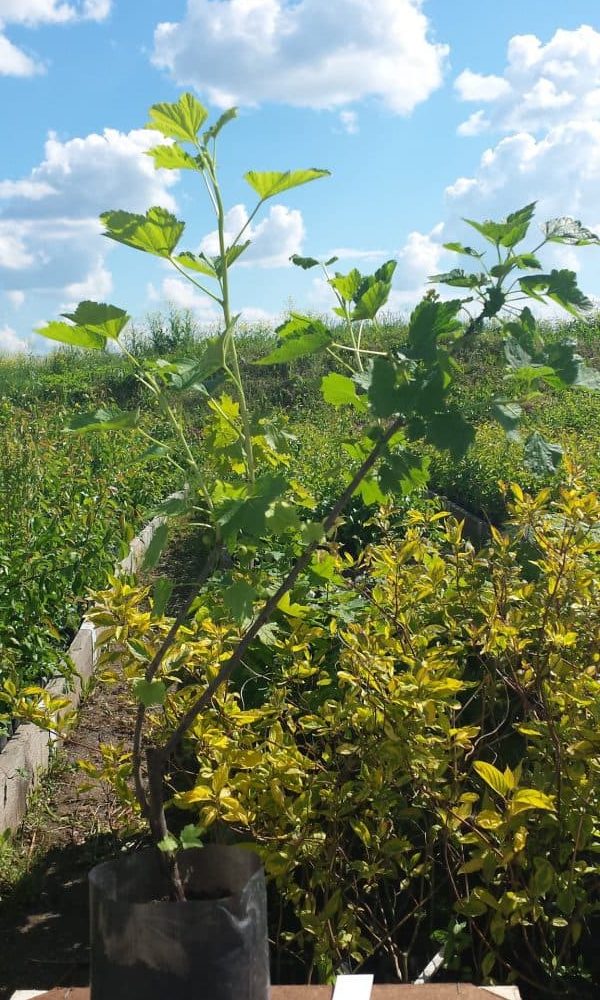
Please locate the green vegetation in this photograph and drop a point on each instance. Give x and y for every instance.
(336, 638)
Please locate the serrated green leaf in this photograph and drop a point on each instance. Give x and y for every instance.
(172, 158)
(268, 184)
(457, 278)
(306, 263)
(103, 420)
(560, 286)
(199, 263)
(169, 844)
(450, 431)
(508, 415)
(459, 248)
(404, 473)
(239, 600)
(569, 231)
(99, 318)
(224, 119)
(540, 455)
(180, 120)
(431, 322)
(75, 336)
(231, 255)
(301, 335)
(340, 390)
(246, 514)
(190, 837)
(384, 397)
(347, 284)
(150, 692)
(157, 232)
(371, 301)
(507, 233)
(155, 548)
(515, 355)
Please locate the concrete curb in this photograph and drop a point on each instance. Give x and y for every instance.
(25, 756)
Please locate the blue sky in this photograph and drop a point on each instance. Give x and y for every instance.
(425, 112)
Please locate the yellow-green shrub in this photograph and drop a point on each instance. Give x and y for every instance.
(436, 759)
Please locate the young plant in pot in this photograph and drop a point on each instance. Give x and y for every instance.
(181, 919)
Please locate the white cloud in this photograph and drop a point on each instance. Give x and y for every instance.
(349, 122)
(10, 343)
(31, 13)
(183, 295)
(474, 124)
(49, 228)
(274, 239)
(307, 53)
(352, 253)
(544, 85)
(16, 298)
(34, 12)
(477, 87)
(15, 62)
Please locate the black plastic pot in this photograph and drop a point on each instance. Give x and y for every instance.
(212, 947)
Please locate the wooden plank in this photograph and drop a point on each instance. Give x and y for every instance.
(436, 991)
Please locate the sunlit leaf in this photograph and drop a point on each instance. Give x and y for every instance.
(181, 120)
(75, 336)
(224, 119)
(270, 183)
(150, 692)
(99, 318)
(157, 232)
(172, 158)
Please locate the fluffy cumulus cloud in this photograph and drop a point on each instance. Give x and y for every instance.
(10, 343)
(31, 13)
(305, 53)
(544, 113)
(49, 228)
(279, 235)
(544, 84)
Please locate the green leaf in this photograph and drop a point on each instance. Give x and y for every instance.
(190, 837)
(231, 255)
(99, 318)
(540, 455)
(458, 278)
(161, 595)
(508, 415)
(560, 286)
(270, 183)
(450, 431)
(103, 420)
(75, 336)
(239, 600)
(507, 233)
(150, 692)
(565, 361)
(340, 390)
(155, 548)
(169, 844)
(199, 263)
(211, 360)
(246, 515)
(459, 248)
(224, 119)
(301, 335)
(569, 231)
(515, 355)
(347, 284)
(306, 263)
(493, 777)
(430, 322)
(157, 232)
(181, 120)
(531, 798)
(371, 301)
(383, 393)
(404, 473)
(172, 158)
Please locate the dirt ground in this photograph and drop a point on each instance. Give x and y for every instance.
(44, 899)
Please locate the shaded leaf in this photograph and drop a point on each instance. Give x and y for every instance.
(222, 120)
(450, 431)
(429, 322)
(103, 420)
(150, 693)
(155, 548)
(239, 600)
(301, 335)
(383, 393)
(508, 415)
(199, 263)
(458, 278)
(540, 455)
(161, 594)
(306, 263)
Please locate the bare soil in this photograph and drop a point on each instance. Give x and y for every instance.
(69, 829)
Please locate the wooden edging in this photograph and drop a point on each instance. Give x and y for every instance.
(25, 757)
